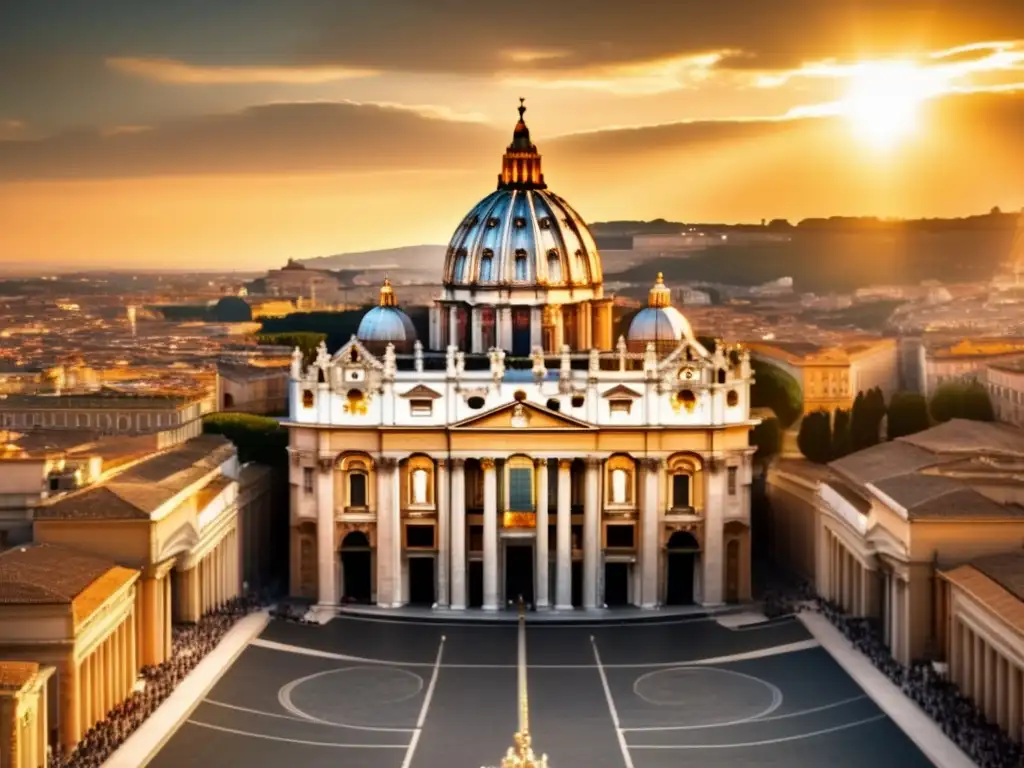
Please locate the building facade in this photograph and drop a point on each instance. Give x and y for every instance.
(1005, 385)
(527, 456)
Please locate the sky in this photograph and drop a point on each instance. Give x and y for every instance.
(212, 134)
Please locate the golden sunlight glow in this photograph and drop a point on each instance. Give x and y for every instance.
(884, 99)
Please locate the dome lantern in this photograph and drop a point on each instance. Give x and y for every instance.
(520, 166)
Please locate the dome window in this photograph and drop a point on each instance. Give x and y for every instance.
(519, 222)
(554, 266)
(732, 399)
(460, 264)
(544, 223)
(521, 265)
(492, 222)
(487, 266)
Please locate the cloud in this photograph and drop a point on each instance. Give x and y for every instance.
(11, 128)
(274, 138)
(181, 72)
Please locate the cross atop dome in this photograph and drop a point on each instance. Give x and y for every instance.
(520, 167)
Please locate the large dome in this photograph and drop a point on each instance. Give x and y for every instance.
(522, 235)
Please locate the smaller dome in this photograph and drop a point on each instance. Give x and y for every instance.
(658, 322)
(387, 324)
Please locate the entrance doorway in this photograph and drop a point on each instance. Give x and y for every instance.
(355, 568)
(476, 584)
(732, 571)
(682, 554)
(519, 572)
(421, 581)
(616, 584)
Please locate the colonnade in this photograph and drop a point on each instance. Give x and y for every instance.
(849, 581)
(995, 682)
(100, 680)
(212, 581)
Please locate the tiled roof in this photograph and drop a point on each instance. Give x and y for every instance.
(996, 598)
(964, 503)
(14, 674)
(140, 490)
(97, 593)
(42, 574)
(882, 461)
(964, 436)
(1004, 568)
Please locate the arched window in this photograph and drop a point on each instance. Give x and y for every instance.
(307, 399)
(620, 486)
(460, 265)
(357, 489)
(420, 477)
(681, 489)
(487, 266)
(721, 375)
(521, 266)
(554, 267)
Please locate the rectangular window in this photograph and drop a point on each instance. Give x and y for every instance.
(307, 479)
(520, 489)
(421, 407)
(680, 491)
(620, 406)
(731, 479)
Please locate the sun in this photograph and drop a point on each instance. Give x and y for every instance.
(884, 99)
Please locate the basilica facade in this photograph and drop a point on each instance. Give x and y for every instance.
(521, 451)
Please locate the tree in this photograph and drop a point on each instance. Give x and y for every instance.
(774, 388)
(306, 341)
(257, 438)
(815, 437)
(866, 419)
(961, 400)
(767, 436)
(908, 414)
(842, 442)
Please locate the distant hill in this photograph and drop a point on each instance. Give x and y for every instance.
(415, 258)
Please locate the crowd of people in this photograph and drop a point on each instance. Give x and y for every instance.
(189, 644)
(955, 713)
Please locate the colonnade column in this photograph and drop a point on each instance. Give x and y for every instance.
(453, 326)
(325, 533)
(1001, 683)
(563, 537)
(389, 534)
(542, 564)
(650, 525)
(85, 698)
(591, 532)
(443, 524)
(490, 535)
(536, 327)
(71, 714)
(476, 331)
(458, 533)
(558, 329)
(504, 316)
(133, 659)
(1013, 694)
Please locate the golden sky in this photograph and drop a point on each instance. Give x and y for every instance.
(176, 135)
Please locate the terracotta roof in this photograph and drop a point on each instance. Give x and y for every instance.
(140, 490)
(997, 599)
(44, 574)
(14, 674)
(97, 593)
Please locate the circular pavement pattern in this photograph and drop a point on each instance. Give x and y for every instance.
(334, 695)
(703, 696)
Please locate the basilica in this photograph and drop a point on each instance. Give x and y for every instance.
(521, 450)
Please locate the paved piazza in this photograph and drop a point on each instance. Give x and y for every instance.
(686, 691)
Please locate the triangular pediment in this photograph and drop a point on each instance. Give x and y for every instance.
(621, 390)
(522, 415)
(422, 392)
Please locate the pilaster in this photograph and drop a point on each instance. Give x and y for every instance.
(542, 564)
(458, 534)
(490, 535)
(650, 528)
(326, 546)
(591, 533)
(443, 525)
(563, 535)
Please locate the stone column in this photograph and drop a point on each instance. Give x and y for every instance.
(388, 533)
(443, 526)
(955, 652)
(1001, 686)
(1014, 703)
(133, 662)
(168, 617)
(326, 546)
(505, 328)
(591, 533)
(711, 556)
(563, 536)
(476, 331)
(85, 698)
(558, 329)
(458, 534)
(536, 327)
(989, 707)
(650, 527)
(542, 563)
(453, 326)
(71, 714)
(978, 670)
(490, 535)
